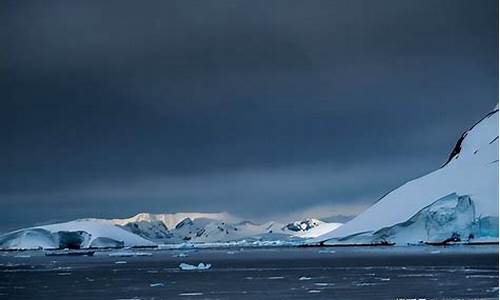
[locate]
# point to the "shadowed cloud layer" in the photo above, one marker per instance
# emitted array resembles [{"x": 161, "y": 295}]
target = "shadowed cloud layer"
[{"x": 260, "y": 108}]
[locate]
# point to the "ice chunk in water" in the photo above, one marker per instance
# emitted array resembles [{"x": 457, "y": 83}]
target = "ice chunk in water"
[
  {"x": 200, "y": 266},
  {"x": 129, "y": 254},
  {"x": 156, "y": 284}
]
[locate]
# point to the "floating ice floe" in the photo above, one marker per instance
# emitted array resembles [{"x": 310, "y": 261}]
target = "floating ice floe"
[
  {"x": 304, "y": 278},
  {"x": 120, "y": 262},
  {"x": 130, "y": 254},
  {"x": 182, "y": 254},
  {"x": 481, "y": 276},
  {"x": 323, "y": 283},
  {"x": 364, "y": 283},
  {"x": 156, "y": 284},
  {"x": 232, "y": 244},
  {"x": 200, "y": 266},
  {"x": 191, "y": 294},
  {"x": 382, "y": 278}
]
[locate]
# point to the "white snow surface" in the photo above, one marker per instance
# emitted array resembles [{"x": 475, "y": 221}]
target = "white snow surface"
[
  {"x": 99, "y": 228},
  {"x": 319, "y": 230},
  {"x": 473, "y": 172}
]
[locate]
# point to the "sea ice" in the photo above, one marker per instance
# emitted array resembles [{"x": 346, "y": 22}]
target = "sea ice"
[
  {"x": 156, "y": 284},
  {"x": 323, "y": 284},
  {"x": 382, "y": 279},
  {"x": 181, "y": 255},
  {"x": 191, "y": 294},
  {"x": 200, "y": 266},
  {"x": 130, "y": 254}
]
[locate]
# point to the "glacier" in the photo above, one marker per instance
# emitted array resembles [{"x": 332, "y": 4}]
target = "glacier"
[
  {"x": 85, "y": 233},
  {"x": 460, "y": 198}
]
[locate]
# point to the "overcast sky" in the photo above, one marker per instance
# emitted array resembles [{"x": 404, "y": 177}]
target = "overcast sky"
[{"x": 265, "y": 109}]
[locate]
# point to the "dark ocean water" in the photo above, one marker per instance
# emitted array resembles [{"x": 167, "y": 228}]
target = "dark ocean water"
[{"x": 274, "y": 273}]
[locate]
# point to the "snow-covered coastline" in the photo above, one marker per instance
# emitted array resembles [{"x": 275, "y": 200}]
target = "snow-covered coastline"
[
  {"x": 457, "y": 203},
  {"x": 165, "y": 231}
]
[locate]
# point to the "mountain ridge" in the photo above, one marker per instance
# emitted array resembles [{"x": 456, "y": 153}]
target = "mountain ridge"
[{"x": 145, "y": 230}]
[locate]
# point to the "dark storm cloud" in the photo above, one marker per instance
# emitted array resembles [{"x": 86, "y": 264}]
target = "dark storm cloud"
[{"x": 113, "y": 107}]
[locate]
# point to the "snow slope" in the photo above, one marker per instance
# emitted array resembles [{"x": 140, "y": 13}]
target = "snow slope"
[
  {"x": 472, "y": 170},
  {"x": 319, "y": 230},
  {"x": 75, "y": 234},
  {"x": 99, "y": 229}
]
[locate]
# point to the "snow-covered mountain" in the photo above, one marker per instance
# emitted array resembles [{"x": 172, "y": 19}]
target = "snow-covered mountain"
[
  {"x": 459, "y": 201},
  {"x": 171, "y": 220},
  {"x": 158, "y": 229},
  {"x": 221, "y": 227}
]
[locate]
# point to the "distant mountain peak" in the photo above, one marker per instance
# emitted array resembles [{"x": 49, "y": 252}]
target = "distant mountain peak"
[{"x": 170, "y": 220}]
